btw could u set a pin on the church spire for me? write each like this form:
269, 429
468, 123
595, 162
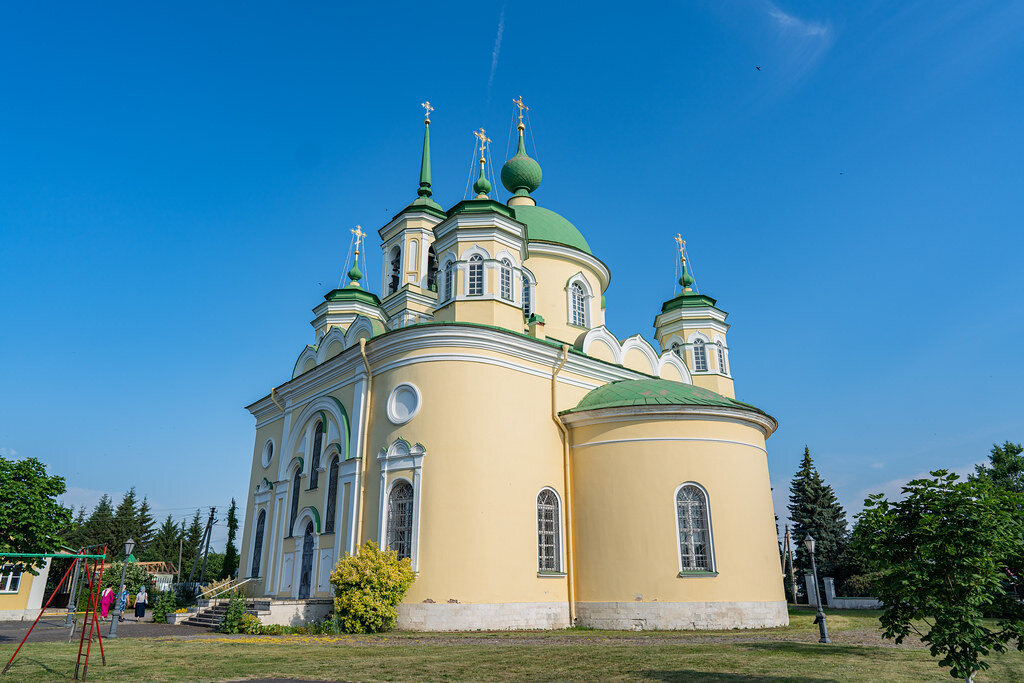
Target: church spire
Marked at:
425, 190
521, 175
482, 186
354, 274
686, 280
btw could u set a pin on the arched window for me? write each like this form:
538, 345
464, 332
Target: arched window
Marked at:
527, 297
549, 558
449, 280
722, 368
506, 279
476, 275
677, 349
332, 496
306, 568
295, 500
578, 315
314, 462
400, 519
694, 530
431, 269
700, 356
257, 543
395, 281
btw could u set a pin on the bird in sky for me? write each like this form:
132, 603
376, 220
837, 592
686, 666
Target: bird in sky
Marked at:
758, 68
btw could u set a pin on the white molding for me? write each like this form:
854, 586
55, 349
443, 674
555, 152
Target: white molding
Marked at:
326, 403
396, 223
264, 460
308, 353
670, 438
400, 456
588, 300
392, 398
640, 344
257, 509
602, 334
561, 528
711, 533
765, 423
572, 254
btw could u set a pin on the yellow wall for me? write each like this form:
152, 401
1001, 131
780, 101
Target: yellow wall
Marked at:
550, 297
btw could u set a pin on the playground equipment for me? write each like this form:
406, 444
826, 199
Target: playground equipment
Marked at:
93, 565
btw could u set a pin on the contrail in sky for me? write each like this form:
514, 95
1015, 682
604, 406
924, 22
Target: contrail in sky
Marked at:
495, 53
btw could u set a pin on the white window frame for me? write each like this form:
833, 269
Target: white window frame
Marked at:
448, 284
7, 574
386, 539
401, 456
559, 518
712, 567
505, 288
263, 542
588, 295
528, 284
474, 262
723, 365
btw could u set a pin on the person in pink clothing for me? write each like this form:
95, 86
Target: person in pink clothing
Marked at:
106, 600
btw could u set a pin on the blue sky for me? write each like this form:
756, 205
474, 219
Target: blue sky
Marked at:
178, 183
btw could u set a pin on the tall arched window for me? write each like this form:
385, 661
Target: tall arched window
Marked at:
295, 500
476, 275
431, 269
722, 368
579, 305
700, 356
527, 297
506, 279
332, 496
694, 529
314, 461
395, 280
400, 519
549, 558
449, 280
257, 543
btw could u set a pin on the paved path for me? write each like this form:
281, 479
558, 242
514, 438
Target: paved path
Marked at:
51, 629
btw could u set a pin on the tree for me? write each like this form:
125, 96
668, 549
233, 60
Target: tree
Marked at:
99, 528
164, 546
192, 537
815, 511
31, 519
368, 587
125, 519
1005, 469
950, 552
230, 551
143, 525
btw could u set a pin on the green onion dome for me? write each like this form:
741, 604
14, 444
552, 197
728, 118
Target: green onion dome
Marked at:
482, 185
686, 280
521, 175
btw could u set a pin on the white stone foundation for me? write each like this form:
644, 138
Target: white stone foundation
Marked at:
19, 614
675, 616
296, 612
448, 616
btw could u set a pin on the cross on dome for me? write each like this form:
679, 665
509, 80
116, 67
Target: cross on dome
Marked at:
426, 114
522, 108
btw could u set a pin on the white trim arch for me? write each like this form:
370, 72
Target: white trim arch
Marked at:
669, 358
296, 440
334, 336
602, 335
561, 531
712, 564
401, 456
312, 514
475, 249
359, 325
588, 300
640, 344
302, 363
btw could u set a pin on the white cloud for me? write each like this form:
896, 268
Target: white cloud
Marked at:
877, 465
7, 452
790, 23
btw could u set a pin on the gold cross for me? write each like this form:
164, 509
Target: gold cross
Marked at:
481, 135
682, 247
358, 232
522, 108
428, 108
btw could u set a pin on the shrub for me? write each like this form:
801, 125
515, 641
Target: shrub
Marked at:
368, 587
165, 603
186, 593
251, 624
232, 621
861, 585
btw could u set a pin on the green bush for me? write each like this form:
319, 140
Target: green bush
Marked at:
164, 604
251, 624
368, 587
234, 615
860, 585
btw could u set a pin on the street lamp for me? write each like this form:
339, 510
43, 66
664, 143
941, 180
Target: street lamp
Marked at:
819, 619
129, 546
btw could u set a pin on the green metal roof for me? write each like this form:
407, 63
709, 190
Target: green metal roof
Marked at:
688, 300
353, 292
544, 225
649, 392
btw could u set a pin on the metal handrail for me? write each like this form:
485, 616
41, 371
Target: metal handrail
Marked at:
230, 587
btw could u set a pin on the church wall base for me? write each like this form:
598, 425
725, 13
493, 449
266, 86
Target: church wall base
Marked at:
483, 617
643, 616
296, 612
19, 614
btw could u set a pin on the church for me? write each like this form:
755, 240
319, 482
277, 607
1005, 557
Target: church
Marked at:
479, 419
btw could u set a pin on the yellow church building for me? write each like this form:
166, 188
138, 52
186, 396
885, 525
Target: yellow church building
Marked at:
479, 419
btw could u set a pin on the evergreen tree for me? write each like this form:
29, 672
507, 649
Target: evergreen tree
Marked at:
125, 519
1005, 468
193, 535
815, 511
99, 528
164, 546
230, 552
143, 526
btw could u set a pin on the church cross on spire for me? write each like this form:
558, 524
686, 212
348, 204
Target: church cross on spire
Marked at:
481, 135
686, 280
354, 274
426, 115
522, 108
358, 232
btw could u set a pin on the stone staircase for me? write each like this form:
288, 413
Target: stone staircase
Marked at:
211, 612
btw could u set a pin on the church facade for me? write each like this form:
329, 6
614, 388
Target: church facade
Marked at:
481, 420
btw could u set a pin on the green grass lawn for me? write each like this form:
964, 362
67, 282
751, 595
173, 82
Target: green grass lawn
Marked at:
791, 653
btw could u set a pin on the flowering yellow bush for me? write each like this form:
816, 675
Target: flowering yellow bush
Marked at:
368, 587
251, 624
180, 611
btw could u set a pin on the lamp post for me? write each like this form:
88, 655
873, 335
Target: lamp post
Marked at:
129, 546
819, 619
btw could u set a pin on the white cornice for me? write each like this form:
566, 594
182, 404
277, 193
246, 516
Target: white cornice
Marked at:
765, 423
405, 216
571, 254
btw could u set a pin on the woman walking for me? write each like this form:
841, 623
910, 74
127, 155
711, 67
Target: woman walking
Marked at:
106, 600
141, 598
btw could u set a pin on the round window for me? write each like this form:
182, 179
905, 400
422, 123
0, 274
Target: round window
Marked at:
403, 403
268, 452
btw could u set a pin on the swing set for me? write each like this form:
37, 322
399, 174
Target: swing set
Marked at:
93, 566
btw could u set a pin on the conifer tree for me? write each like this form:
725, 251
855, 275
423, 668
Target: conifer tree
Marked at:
164, 546
230, 551
99, 528
814, 510
125, 520
144, 525
193, 535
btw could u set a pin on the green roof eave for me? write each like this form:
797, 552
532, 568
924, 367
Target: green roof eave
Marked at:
480, 206
649, 392
688, 300
424, 204
351, 293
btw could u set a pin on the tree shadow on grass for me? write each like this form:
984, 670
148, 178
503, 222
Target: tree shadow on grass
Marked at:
821, 649
695, 675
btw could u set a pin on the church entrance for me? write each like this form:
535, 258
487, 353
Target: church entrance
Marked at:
306, 575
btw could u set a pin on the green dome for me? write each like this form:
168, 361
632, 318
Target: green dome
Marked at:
482, 185
648, 392
544, 225
521, 172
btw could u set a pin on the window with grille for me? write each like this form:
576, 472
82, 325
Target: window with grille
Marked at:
476, 275
700, 356
431, 269
295, 500
332, 496
548, 555
527, 297
400, 519
579, 306
314, 462
257, 544
449, 280
694, 530
722, 368
10, 578
395, 280
506, 280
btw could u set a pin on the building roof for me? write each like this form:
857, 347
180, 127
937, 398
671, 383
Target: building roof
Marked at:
544, 225
647, 392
